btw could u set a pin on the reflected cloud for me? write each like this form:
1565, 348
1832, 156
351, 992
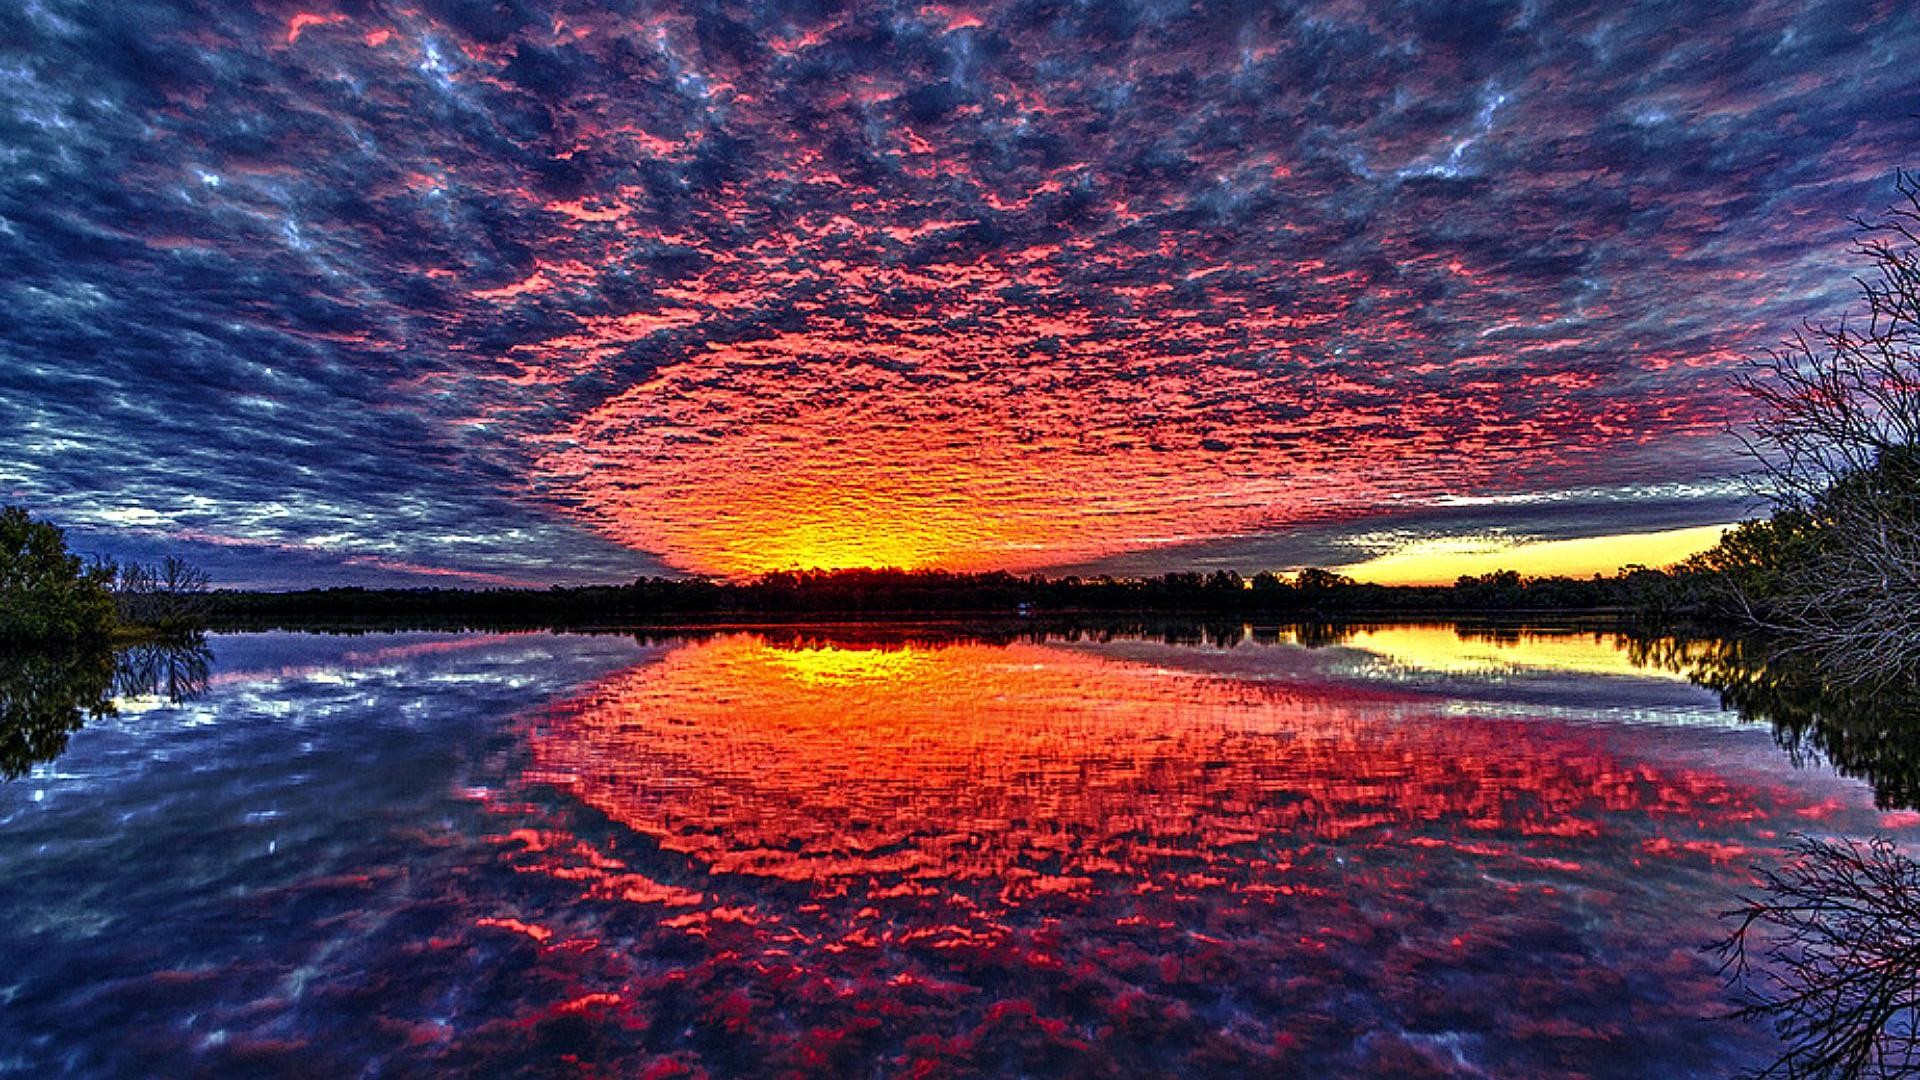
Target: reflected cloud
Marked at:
1183, 850
1128, 826
972, 761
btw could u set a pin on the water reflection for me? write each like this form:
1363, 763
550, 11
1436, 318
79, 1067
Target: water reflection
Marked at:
910, 851
46, 696
1118, 855
1497, 651
1870, 732
1036, 764
171, 671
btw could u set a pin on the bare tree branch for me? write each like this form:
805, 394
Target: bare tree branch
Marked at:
1838, 440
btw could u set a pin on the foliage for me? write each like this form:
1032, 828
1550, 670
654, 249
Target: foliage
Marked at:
1835, 930
47, 695
46, 593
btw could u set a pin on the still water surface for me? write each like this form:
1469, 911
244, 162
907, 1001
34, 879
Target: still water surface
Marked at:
849, 851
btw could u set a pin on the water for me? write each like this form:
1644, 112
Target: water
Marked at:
873, 851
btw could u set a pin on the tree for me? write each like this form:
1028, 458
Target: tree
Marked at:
171, 596
1838, 438
1313, 579
47, 595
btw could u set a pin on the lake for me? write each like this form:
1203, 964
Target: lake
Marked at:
885, 850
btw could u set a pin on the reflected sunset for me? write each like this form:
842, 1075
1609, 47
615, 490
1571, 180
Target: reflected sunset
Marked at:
1113, 825
1456, 651
973, 761
835, 850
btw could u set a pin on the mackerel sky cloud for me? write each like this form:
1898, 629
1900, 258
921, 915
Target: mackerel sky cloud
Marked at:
502, 292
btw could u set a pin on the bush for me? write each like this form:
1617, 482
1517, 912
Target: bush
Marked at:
46, 593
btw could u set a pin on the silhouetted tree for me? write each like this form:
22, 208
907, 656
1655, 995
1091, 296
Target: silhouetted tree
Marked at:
1315, 580
1313, 594
170, 596
1837, 571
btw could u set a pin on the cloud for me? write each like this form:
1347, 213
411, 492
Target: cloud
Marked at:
576, 292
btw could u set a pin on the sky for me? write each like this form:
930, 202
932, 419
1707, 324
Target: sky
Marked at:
470, 293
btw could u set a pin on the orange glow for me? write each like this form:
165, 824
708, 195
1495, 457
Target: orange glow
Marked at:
1440, 562
1445, 650
975, 761
734, 466
830, 664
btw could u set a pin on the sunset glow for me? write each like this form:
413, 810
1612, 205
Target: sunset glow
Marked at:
1440, 562
843, 763
946, 538
485, 294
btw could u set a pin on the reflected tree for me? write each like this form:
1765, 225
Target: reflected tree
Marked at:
44, 698
1869, 731
1828, 952
47, 695
175, 670
1827, 949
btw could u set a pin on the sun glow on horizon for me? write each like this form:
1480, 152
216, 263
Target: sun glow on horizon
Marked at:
825, 448
1442, 561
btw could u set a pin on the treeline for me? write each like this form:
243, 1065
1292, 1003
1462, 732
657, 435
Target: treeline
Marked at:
1308, 595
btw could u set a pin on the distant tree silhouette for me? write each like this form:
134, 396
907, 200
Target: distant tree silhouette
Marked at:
1315, 580
1311, 594
170, 596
